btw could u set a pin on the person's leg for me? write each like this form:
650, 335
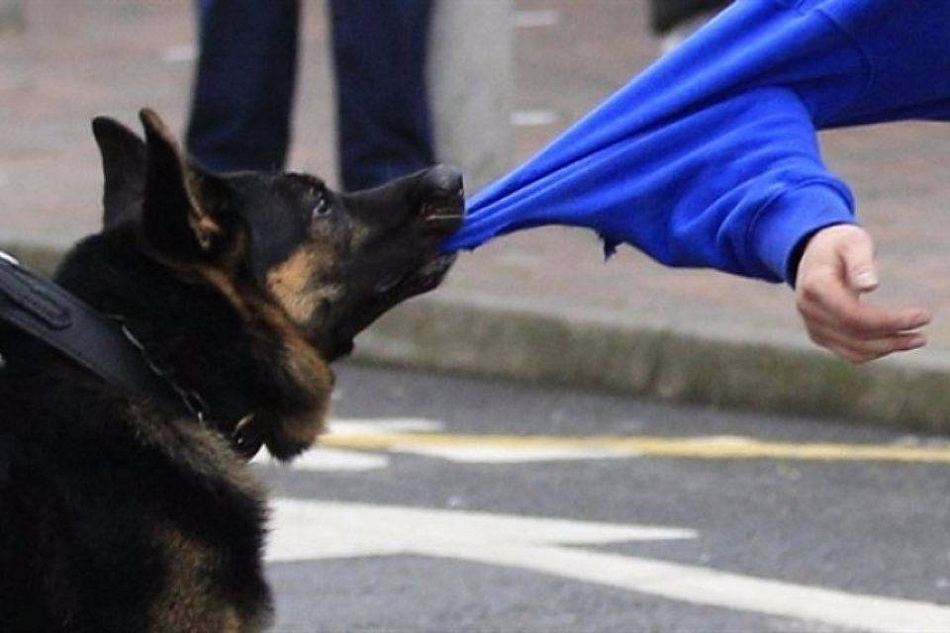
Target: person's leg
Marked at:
675, 20
383, 122
244, 83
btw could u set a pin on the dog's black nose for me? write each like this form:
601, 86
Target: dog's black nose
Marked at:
444, 181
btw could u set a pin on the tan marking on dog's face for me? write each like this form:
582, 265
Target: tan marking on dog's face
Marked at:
292, 283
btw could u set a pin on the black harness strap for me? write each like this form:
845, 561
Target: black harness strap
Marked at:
43, 309
39, 307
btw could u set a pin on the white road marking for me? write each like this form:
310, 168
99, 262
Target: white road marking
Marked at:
324, 529
307, 530
328, 460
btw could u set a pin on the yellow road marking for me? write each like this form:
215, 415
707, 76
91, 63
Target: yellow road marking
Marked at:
689, 447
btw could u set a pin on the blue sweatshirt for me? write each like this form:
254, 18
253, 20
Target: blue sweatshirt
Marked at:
709, 158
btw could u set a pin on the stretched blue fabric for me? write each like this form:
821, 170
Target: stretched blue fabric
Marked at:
710, 158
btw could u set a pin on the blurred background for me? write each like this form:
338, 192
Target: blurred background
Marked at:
507, 77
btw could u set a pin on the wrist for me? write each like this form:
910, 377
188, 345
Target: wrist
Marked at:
788, 222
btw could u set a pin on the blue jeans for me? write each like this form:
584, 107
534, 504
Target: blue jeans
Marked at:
244, 86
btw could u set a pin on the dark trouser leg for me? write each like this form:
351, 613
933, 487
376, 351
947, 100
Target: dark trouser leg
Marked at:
244, 84
383, 121
669, 14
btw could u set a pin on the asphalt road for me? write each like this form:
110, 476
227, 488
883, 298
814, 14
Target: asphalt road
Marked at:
445, 504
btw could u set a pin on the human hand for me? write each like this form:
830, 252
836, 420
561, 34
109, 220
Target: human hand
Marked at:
836, 268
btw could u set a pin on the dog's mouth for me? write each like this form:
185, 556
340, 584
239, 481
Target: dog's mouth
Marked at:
440, 219
402, 285
394, 286
444, 217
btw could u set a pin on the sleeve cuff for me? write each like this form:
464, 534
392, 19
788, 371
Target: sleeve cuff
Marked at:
793, 216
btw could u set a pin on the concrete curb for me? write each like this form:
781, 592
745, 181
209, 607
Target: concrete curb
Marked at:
429, 333
490, 340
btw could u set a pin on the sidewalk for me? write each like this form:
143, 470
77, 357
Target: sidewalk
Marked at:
540, 305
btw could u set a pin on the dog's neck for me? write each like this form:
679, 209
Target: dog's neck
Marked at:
195, 336
193, 403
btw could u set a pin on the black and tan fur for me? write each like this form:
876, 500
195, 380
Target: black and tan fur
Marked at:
120, 514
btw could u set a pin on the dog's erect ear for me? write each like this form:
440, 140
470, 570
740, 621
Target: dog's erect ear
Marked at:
123, 167
182, 203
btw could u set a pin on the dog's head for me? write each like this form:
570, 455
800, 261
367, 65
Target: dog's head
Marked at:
329, 262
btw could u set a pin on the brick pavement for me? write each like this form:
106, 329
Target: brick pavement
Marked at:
79, 58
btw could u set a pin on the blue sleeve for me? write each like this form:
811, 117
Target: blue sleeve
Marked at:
710, 157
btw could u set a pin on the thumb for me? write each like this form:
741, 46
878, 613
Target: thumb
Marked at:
857, 255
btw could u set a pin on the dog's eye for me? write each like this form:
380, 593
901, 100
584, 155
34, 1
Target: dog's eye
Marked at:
322, 208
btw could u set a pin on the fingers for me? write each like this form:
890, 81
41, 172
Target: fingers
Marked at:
859, 332
836, 268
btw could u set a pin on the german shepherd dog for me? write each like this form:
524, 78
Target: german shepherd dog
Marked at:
121, 514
